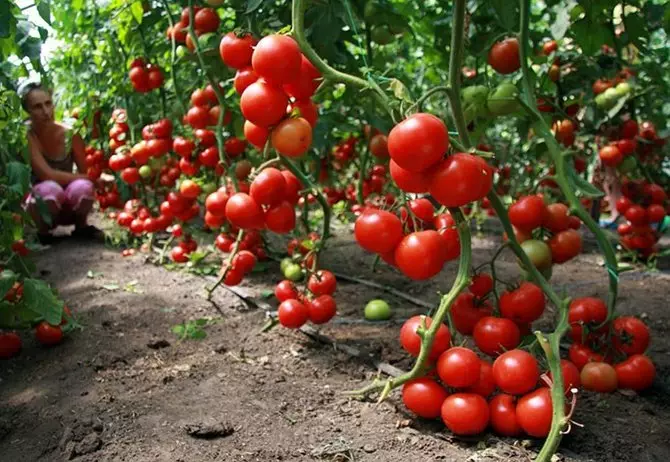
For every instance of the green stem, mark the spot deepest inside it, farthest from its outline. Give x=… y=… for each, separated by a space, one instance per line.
x=328 y=72
x=173 y=58
x=307 y=182
x=455 y=59
x=425 y=96
x=361 y=172
x=229 y=260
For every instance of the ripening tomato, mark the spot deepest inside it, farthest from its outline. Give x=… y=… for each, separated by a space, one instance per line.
x=648 y=131
x=413 y=182
x=206 y=21
x=534 y=412
x=628 y=129
x=268 y=188
x=305 y=109
x=256 y=135
x=322 y=309
x=411 y=341
x=446 y=227
x=263 y=105
x=183 y=146
x=322 y=283
x=422 y=212
x=130 y=175
x=637 y=215
x=189 y=189
x=465 y=413
x=587 y=311
x=292 y=313
x=216 y=203
x=516 y=372
x=485 y=385
x=623 y=204
x=465 y=314
x=631 y=335
x=242 y=211
x=528 y=213
x=627 y=146
x=522 y=305
x=418 y=142
x=47 y=334
x=459 y=367
x=280 y=218
x=503 y=415
x=610 y=155
x=424 y=397
x=580 y=355
x=306 y=83
x=277 y=59
x=378 y=231
x=570 y=373
x=243 y=78
x=504 y=56
x=635 y=373
x=421 y=255
x=379 y=146
x=599 y=376
x=494 y=335
x=460 y=179
x=549 y=47
x=655 y=213
x=556 y=218
x=10 y=346
x=293 y=187
x=565 y=245
x=292 y=137
x=481 y=284
x=285 y=290
x=236 y=51
x=198 y=117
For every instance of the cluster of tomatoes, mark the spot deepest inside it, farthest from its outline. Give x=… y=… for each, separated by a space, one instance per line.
x=598 y=343
x=118 y=134
x=315 y=303
x=532 y=218
x=642 y=204
x=145 y=77
x=206 y=21
x=276 y=83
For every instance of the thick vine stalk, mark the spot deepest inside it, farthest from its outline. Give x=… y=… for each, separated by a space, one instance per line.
x=173 y=55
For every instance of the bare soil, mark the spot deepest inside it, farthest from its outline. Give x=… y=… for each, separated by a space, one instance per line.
x=125 y=388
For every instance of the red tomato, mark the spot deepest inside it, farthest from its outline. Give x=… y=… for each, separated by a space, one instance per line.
x=587 y=311
x=623 y=204
x=485 y=385
x=130 y=175
x=534 y=412
x=460 y=179
x=378 y=231
x=481 y=284
x=242 y=211
x=516 y=372
x=656 y=193
x=418 y=142
x=549 y=47
x=556 y=218
x=236 y=51
x=421 y=255
x=10 y=346
x=424 y=397
x=293 y=187
x=413 y=182
x=322 y=283
x=565 y=245
x=268 y=187
x=306 y=83
x=411 y=341
x=631 y=336
x=233 y=277
x=610 y=155
x=635 y=373
x=598 y=376
x=224 y=243
x=581 y=355
x=571 y=377
x=322 y=309
x=655 y=213
x=465 y=315
x=206 y=20
x=183 y=147
x=523 y=305
x=528 y=213
x=263 y=105
x=494 y=335
x=504 y=56
x=198 y=117
x=636 y=214
x=189 y=189
x=307 y=110
x=446 y=227
x=465 y=413
x=243 y=78
x=292 y=137
x=423 y=212
x=47 y=334
x=503 y=415
x=379 y=146
x=285 y=290
x=277 y=59
x=292 y=313
x=628 y=129
x=459 y=367
x=280 y=218
x=244 y=261
x=256 y=135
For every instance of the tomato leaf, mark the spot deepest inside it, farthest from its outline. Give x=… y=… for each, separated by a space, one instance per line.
x=507 y=13
x=582 y=185
x=18 y=175
x=7 y=280
x=137 y=11
x=253 y=5
x=41 y=301
x=44 y=9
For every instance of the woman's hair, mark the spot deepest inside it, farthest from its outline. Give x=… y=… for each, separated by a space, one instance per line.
x=26 y=89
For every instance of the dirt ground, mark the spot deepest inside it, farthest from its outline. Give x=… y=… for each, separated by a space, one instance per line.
x=126 y=389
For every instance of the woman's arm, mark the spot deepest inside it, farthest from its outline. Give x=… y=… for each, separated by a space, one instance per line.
x=79 y=153
x=43 y=170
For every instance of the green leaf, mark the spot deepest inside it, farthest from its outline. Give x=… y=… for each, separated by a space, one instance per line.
x=267 y=294
x=6 y=18
x=507 y=13
x=582 y=185
x=178 y=330
x=77 y=4
x=308 y=244
x=40 y=300
x=7 y=280
x=111 y=286
x=137 y=11
x=44 y=9
x=198 y=334
x=253 y=5
x=18 y=175
x=400 y=91
x=201 y=322
x=590 y=36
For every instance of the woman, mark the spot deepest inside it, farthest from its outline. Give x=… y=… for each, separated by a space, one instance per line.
x=54 y=151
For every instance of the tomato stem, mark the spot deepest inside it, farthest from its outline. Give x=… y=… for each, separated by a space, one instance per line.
x=173 y=54
x=228 y=264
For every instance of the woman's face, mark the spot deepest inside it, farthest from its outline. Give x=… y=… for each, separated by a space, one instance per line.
x=40 y=106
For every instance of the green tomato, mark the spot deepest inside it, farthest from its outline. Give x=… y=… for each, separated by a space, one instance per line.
x=156 y=163
x=145 y=171
x=503 y=99
x=538 y=252
x=284 y=264
x=382 y=35
x=623 y=89
x=182 y=51
x=293 y=272
x=377 y=310
x=628 y=165
x=474 y=101
x=209 y=188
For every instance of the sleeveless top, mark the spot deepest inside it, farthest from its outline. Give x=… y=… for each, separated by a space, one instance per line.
x=64 y=164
